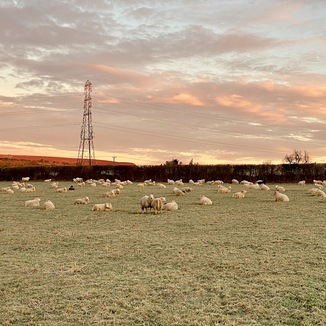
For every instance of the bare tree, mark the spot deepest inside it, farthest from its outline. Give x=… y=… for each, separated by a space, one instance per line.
x=297 y=157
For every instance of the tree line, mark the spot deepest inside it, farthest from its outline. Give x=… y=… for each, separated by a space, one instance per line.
x=269 y=173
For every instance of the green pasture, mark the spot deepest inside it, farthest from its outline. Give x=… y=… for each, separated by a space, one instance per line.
x=250 y=261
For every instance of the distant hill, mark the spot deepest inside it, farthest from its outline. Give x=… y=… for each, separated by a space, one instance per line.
x=32 y=160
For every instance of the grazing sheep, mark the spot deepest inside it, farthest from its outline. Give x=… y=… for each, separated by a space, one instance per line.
x=157 y=205
x=102 y=207
x=171 y=206
x=239 y=194
x=48 y=205
x=178 y=192
x=280 y=197
x=205 y=200
x=33 y=202
x=77 y=180
x=146 y=202
x=81 y=201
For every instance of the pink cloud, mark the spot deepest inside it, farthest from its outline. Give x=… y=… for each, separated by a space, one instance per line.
x=187 y=99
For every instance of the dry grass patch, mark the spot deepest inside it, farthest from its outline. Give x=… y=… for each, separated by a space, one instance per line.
x=247 y=261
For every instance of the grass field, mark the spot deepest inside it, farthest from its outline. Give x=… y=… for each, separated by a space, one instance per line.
x=250 y=261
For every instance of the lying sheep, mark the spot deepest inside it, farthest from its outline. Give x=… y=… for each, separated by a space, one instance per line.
x=223 y=190
x=264 y=187
x=239 y=194
x=64 y=189
x=146 y=202
x=48 y=205
x=178 y=192
x=187 y=189
x=81 y=201
x=279 y=188
x=205 y=200
x=171 y=206
x=112 y=193
x=33 y=202
x=302 y=183
x=280 y=197
x=102 y=207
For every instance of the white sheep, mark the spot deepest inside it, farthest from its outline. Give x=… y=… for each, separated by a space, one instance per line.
x=171 y=206
x=33 y=202
x=301 y=183
x=187 y=189
x=64 y=189
x=112 y=193
x=239 y=194
x=205 y=200
x=102 y=207
x=157 y=205
x=77 y=179
x=81 y=201
x=280 y=197
x=178 y=192
x=223 y=190
x=48 y=205
x=279 y=188
x=235 y=181
x=264 y=187
x=145 y=202
x=25 y=179
x=318 y=185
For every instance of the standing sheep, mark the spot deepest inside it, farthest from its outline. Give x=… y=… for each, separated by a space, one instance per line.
x=157 y=205
x=146 y=202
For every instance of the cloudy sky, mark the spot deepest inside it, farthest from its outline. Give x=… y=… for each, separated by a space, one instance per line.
x=213 y=81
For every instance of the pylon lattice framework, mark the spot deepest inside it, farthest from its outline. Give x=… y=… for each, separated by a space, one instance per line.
x=86 y=147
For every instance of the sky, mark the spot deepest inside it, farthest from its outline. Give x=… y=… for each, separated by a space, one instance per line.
x=202 y=81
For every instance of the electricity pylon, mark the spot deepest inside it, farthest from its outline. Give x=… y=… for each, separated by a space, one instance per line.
x=86 y=153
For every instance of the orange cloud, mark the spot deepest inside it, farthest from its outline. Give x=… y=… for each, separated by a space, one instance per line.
x=120 y=76
x=240 y=103
x=188 y=99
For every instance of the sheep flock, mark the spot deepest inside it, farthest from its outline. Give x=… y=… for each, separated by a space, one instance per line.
x=150 y=197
